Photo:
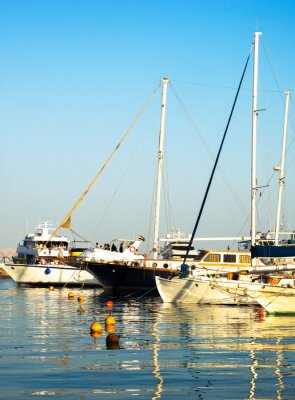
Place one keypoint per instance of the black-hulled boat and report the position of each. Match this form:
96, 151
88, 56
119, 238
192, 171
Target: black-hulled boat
133, 275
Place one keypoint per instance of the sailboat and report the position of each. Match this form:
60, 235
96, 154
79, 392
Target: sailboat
219, 290
126, 275
276, 299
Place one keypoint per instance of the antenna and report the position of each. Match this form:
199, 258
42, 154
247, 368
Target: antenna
27, 226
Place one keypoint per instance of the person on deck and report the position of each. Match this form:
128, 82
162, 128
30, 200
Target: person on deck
114, 248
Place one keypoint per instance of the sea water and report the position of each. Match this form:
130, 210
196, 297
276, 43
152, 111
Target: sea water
165, 351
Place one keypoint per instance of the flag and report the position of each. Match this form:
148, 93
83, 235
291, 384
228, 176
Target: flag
67, 223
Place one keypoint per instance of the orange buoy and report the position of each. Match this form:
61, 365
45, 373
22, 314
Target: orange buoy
109, 303
71, 295
110, 320
81, 299
95, 327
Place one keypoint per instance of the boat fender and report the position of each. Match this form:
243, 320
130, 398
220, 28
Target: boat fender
47, 271
132, 249
184, 270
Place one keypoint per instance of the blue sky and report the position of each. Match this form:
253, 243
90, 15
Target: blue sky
74, 74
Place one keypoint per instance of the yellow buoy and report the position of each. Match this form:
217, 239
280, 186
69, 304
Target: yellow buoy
81, 299
95, 334
95, 327
71, 295
51, 288
109, 328
110, 320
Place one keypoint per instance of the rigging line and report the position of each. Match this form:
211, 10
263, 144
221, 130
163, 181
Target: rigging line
291, 143
219, 86
274, 77
166, 204
81, 237
217, 158
172, 218
272, 71
119, 183
66, 220
261, 207
204, 84
166, 189
209, 152
170, 222
148, 242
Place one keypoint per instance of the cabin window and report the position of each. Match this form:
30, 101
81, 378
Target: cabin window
29, 245
212, 258
245, 259
229, 258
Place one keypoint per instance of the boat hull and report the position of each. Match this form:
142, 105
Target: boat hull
140, 275
118, 277
276, 299
44, 275
201, 291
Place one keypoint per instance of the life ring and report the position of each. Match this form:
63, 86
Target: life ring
132, 249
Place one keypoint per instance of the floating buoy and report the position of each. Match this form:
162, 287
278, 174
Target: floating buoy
95, 334
109, 303
51, 288
112, 341
110, 320
71, 295
109, 328
47, 271
81, 299
95, 327
80, 310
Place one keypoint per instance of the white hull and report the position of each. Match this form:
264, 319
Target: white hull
49, 274
275, 299
205, 291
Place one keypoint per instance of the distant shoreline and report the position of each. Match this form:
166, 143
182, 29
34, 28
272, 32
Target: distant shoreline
8, 252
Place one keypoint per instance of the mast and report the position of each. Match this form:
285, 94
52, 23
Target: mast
254, 134
281, 168
160, 167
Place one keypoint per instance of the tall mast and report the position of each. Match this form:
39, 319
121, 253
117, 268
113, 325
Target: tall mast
282, 167
160, 167
254, 133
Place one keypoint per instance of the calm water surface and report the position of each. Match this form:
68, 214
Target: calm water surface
166, 351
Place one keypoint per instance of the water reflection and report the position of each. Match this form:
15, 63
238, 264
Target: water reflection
166, 351
156, 369
245, 329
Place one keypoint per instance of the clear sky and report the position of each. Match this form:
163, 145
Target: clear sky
73, 76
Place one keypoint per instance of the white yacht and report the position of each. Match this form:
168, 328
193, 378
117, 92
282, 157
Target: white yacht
41, 260
41, 244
